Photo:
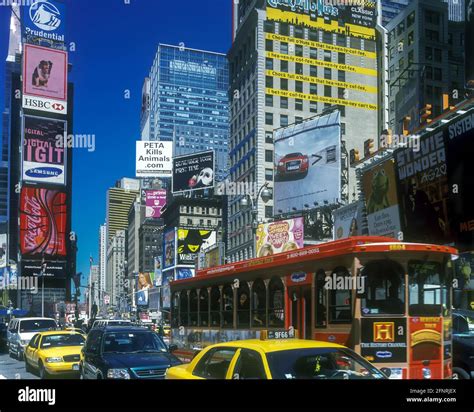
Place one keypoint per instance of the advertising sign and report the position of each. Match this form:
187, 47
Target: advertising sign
154, 159
469, 43
56, 270
43, 218
380, 189
3, 250
424, 192
45, 73
158, 271
44, 19
460, 147
184, 273
190, 243
281, 236
384, 341
308, 163
142, 297
144, 281
193, 172
155, 200
169, 248
348, 221
44, 105
166, 291
43, 159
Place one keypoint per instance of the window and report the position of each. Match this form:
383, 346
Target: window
269, 156
269, 81
313, 53
268, 137
269, 175
341, 40
93, 342
284, 102
327, 73
268, 45
429, 72
411, 38
313, 106
401, 64
269, 64
432, 17
284, 48
269, 100
284, 29
249, 366
298, 104
284, 84
432, 35
340, 93
299, 119
284, 66
428, 54
313, 71
438, 56
269, 119
299, 86
299, 50
269, 26
400, 28
215, 364
327, 91
283, 120
341, 75
327, 56
411, 57
356, 43
299, 32
343, 129
341, 58
313, 88
340, 299
411, 19
313, 35
299, 68
327, 37
268, 211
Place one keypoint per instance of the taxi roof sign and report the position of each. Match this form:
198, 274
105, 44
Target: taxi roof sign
290, 333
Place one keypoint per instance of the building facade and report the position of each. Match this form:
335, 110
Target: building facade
116, 269
391, 9
188, 102
103, 259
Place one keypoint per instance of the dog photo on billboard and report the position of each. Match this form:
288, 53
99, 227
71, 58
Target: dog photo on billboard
42, 73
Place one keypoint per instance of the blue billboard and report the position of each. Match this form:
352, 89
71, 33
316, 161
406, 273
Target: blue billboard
45, 20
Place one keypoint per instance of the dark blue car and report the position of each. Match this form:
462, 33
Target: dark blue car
119, 352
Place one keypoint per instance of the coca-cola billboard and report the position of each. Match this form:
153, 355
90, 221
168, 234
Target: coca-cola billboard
43, 220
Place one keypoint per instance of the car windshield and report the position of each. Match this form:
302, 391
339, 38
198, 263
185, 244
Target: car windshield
320, 363
37, 325
294, 155
463, 324
53, 341
133, 342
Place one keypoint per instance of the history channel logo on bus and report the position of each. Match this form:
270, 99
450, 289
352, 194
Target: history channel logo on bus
45, 19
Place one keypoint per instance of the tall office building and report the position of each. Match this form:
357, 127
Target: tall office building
426, 64
391, 9
287, 65
189, 102
119, 200
116, 270
102, 258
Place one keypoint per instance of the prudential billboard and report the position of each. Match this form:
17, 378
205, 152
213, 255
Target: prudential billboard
308, 163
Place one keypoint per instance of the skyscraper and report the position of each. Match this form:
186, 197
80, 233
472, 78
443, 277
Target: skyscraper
391, 9
189, 102
102, 257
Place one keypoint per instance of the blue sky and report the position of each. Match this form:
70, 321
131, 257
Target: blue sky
115, 46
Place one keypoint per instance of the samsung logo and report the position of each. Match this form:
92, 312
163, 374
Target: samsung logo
298, 277
383, 354
44, 172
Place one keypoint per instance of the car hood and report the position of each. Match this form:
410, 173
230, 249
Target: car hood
140, 360
61, 351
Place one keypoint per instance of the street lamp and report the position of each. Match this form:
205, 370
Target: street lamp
263, 193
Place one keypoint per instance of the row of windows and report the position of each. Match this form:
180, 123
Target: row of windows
299, 68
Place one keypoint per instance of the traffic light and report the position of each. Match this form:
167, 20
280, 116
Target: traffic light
426, 113
354, 156
406, 125
368, 146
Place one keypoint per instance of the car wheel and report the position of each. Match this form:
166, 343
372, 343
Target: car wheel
459, 373
19, 355
42, 372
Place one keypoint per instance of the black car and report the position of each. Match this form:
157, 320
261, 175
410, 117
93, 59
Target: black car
3, 334
463, 344
127, 352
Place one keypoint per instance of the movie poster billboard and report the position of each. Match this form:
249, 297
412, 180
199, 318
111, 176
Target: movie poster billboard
348, 221
3, 250
193, 172
169, 248
44, 160
191, 242
43, 221
380, 190
308, 164
469, 43
155, 200
45, 72
280, 236
423, 191
45, 20
459, 158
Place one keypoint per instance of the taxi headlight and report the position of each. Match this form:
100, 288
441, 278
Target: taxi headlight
118, 374
54, 360
24, 342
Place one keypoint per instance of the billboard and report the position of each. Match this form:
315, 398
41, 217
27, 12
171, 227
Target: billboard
460, 148
184, 273
44, 160
45, 73
281, 236
469, 43
154, 159
158, 265
44, 19
166, 291
348, 221
308, 164
43, 218
3, 250
380, 190
169, 248
56, 270
193, 172
423, 190
191, 242
155, 200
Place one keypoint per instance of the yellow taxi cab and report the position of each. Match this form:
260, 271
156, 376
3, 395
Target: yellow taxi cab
166, 331
276, 355
54, 353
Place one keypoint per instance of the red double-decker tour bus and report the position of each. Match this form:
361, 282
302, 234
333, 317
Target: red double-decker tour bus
389, 301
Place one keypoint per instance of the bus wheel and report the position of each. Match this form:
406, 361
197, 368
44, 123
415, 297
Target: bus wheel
459, 373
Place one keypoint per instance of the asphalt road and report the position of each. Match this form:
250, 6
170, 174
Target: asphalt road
11, 368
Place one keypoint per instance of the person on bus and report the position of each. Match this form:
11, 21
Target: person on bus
243, 309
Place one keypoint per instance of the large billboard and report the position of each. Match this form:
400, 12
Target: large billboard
44, 19
348, 221
154, 159
43, 219
169, 248
44, 156
308, 164
191, 242
155, 200
469, 43
380, 189
56, 270
280, 236
459, 155
193, 172
424, 191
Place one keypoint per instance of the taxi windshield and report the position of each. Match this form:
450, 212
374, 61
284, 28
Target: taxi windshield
320, 363
53, 341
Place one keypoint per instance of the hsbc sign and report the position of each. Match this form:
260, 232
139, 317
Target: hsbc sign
44, 105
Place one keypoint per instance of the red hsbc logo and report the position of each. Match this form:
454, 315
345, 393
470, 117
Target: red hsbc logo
47, 105
57, 106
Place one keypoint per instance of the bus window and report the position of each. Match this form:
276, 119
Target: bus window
215, 307
228, 307
384, 288
276, 314
320, 299
175, 310
427, 288
243, 306
193, 308
204, 307
259, 293
183, 308
340, 300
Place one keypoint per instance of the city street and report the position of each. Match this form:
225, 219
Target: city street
13, 369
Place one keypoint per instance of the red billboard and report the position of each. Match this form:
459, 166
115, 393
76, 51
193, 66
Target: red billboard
43, 218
